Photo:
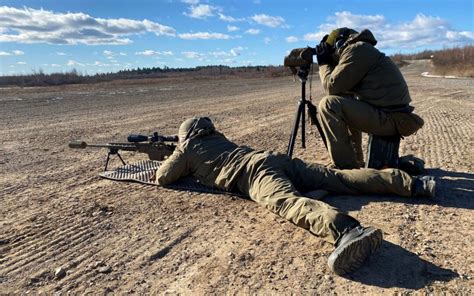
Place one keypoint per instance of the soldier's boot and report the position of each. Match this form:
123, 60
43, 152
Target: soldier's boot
424, 186
353, 248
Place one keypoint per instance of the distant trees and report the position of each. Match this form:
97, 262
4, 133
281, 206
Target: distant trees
450, 61
454, 61
39, 78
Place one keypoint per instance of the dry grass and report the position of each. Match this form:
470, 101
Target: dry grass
455, 61
458, 61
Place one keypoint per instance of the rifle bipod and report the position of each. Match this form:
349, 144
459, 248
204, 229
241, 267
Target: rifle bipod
300, 115
113, 151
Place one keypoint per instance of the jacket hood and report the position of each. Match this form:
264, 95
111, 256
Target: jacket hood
364, 36
195, 127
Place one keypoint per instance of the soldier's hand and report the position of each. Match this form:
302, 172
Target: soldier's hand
324, 52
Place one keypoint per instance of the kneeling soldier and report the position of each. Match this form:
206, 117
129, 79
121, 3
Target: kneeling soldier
277, 182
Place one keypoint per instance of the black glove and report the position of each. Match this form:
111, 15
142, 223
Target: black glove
324, 52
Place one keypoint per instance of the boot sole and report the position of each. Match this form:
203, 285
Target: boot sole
353, 255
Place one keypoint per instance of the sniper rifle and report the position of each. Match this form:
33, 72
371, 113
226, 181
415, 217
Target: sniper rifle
156, 146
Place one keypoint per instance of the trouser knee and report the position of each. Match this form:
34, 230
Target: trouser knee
330, 104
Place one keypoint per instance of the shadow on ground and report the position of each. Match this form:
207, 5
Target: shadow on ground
394, 266
453, 189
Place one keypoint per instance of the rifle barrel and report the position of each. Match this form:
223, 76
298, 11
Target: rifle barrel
121, 146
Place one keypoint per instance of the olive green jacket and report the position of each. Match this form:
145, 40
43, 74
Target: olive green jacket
365, 72
212, 159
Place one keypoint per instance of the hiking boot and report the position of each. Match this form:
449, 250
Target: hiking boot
353, 248
424, 186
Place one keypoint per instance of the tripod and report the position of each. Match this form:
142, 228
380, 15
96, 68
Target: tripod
300, 114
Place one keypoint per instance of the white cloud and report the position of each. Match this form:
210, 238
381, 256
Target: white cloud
252, 31
421, 32
232, 28
150, 52
355, 21
204, 35
267, 40
28, 25
60, 53
201, 11
100, 64
147, 52
236, 51
21, 63
315, 37
190, 1
74, 63
269, 21
112, 55
230, 19
291, 39
221, 56
14, 53
193, 55
228, 61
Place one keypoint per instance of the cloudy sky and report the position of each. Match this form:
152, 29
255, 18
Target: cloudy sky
108, 35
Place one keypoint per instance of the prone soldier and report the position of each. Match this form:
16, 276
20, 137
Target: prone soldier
279, 183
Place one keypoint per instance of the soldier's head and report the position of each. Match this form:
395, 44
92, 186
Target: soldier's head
193, 126
338, 37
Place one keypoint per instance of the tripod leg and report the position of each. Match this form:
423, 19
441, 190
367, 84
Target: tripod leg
303, 130
294, 131
313, 116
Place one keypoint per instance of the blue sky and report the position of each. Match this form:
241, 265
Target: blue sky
104, 36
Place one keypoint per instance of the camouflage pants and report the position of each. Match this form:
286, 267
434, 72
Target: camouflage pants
343, 119
276, 181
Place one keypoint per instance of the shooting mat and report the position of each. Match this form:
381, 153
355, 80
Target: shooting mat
142, 171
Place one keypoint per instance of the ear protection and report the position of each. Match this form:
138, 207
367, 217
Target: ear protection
342, 38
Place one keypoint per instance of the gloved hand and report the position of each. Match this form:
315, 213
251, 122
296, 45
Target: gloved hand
324, 52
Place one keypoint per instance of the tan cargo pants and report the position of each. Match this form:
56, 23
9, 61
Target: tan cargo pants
276, 181
343, 119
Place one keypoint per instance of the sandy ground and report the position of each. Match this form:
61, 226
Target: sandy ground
112, 237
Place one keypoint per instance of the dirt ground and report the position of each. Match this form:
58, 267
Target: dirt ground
113, 237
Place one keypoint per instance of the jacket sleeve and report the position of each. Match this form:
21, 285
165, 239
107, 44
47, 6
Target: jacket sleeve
173, 168
353, 65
